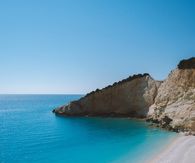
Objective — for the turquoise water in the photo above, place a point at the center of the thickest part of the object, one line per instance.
(31, 133)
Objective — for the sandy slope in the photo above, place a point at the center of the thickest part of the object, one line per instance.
(182, 150)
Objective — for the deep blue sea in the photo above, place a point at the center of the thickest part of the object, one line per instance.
(31, 133)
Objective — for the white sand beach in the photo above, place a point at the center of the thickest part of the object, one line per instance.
(181, 150)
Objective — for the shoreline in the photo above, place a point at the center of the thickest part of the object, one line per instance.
(180, 150)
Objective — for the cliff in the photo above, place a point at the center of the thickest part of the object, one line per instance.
(130, 97)
(170, 103)
(174, 105)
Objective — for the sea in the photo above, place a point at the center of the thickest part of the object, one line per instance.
(31, 133)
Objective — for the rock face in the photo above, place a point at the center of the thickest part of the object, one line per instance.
(130, 97)
(176, 98)
(170, 103)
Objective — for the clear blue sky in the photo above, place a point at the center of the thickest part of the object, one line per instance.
(75, 46)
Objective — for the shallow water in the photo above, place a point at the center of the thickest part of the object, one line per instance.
(30, 133)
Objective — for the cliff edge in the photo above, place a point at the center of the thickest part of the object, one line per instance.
(169, 103)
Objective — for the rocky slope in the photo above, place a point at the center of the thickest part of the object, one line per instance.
(130, 97)
(174, 105)
(170, 103)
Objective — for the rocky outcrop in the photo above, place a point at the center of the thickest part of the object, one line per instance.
(130, 97)
(176, 98)
(170, 103)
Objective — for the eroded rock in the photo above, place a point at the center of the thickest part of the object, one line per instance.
(130, 97)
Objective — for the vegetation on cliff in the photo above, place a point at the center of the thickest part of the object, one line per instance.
(187, 63)
(130, 78)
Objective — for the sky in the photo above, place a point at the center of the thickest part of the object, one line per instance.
(76, 46)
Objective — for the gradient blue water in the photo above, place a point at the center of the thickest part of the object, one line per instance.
(30, 133)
